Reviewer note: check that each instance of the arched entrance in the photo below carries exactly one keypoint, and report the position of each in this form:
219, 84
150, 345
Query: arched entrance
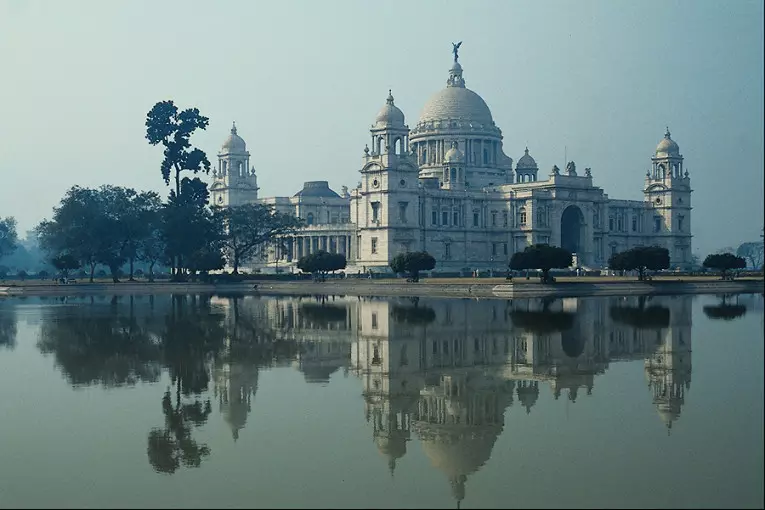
572, 229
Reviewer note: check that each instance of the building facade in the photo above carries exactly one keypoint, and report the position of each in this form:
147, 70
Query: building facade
447, 186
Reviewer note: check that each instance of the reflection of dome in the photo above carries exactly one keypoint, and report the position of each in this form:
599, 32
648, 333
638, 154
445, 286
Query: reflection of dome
234, 143
390, 114
235, 385
454, 155
391, 447
667, 146
526, 161
528, 394
317, 372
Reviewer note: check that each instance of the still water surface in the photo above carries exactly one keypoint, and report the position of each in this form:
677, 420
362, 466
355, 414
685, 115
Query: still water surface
226, 401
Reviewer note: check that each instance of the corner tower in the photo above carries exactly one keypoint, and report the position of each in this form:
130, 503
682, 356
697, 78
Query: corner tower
234, 181
668, 191
385, 208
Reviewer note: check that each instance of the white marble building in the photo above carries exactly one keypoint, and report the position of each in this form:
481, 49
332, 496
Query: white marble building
446, 186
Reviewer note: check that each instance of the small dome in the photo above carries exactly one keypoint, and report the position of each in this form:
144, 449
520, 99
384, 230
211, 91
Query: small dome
526, 161
234, 142
667, 146
454, 155
316, 189
390, 114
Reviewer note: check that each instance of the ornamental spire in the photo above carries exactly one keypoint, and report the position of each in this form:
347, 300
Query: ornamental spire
233, 128
666, 135
390, 97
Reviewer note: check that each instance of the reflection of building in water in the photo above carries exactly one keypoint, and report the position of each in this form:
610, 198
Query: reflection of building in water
235, 384
445, 371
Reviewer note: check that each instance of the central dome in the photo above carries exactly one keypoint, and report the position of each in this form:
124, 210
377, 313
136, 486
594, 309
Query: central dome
457, 103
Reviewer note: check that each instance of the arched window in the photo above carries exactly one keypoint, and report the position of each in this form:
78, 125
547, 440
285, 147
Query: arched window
424, 157
522, 216
225, 167
380, 145
486, 156
662, 172
454, 175
239, 168
397, 146
309, 219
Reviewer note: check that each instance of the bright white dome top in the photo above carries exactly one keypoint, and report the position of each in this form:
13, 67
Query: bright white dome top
454, 155
390, 114
667, 146
456, 102
234, 143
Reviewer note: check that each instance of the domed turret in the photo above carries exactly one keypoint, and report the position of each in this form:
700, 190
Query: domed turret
526, 161
454, 155
526, 169
667, 146
390, 114
234, 142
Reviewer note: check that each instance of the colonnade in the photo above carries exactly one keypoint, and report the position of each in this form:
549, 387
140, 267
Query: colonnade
296, 247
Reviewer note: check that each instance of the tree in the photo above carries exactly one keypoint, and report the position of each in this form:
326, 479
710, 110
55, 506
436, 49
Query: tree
152, 247
724, 262
321, 262
752, 252
640, 258
22, 275
413, 262
250, 227
173, 129
8, 237
65, 263
543, 257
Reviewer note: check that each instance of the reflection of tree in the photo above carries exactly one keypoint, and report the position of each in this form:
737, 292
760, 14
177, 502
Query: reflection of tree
542, 321
725, 310
93, 344
641, 317
171, 447
414, 315
7, 328
192, 333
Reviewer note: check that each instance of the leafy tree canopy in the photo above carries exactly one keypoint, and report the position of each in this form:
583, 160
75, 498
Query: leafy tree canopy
172, 128
321, 262
724, 262
543, 257
8, 236
413, 262
640, 258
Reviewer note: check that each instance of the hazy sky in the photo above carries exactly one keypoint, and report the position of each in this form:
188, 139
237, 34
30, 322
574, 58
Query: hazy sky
305, 79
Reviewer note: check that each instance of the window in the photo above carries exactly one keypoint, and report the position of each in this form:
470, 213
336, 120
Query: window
504, 248
657, 223
613, 249
424, 157
523, 216
375, 211
486, 156
444, 217
680, 222
454, 175
402, 211
374, 245
374, 324
620, 222
504, 218
309, 219
541, 217
456, 221
434, 217
493, 218
493, 249
610, 222
634, 223
447, 251
475, 218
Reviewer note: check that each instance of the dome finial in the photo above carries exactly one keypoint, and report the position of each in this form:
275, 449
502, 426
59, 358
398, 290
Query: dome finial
666, 135
527, 150
390, 97
455, 73
233, 128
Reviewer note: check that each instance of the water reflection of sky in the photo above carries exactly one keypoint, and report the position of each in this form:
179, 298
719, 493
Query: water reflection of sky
199, 401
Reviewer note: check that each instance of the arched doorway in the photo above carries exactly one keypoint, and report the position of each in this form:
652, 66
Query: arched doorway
572, 229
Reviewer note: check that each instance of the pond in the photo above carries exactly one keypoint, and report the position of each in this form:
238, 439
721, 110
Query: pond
321, 401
